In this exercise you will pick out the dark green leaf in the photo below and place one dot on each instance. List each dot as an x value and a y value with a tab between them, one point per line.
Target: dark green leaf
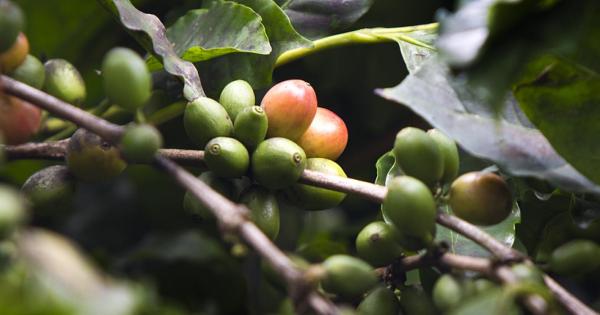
491	41
318	18
517	148
562	101
223	27
150	33
256	69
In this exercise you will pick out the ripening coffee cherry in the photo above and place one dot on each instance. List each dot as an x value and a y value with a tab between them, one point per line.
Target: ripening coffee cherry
30	72
250	126
92	159
277	163
326	137
447	292
127	80
226	157
377	244
140	143
418	155
410	206
12	22
449	153
205	119
264	210
236	96
19	120
221	185
64	81
379	301
347	277
576	257
12	210
480	198
15	55
291	106
316	198
50	190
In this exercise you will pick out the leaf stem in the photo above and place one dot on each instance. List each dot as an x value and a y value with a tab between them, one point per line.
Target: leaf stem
362	36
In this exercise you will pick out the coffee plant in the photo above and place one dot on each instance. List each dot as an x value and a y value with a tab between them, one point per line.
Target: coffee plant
209	157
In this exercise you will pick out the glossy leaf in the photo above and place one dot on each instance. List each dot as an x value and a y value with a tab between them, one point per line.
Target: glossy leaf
222	28
509	142
316	18
149	31
256	69
562	101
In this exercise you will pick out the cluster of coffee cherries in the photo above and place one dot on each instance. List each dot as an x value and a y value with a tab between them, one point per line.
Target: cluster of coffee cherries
429	164
267	147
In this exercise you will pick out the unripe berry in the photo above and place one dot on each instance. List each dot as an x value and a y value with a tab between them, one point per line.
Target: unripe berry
418	155
64	81
236	96
140	143
480	198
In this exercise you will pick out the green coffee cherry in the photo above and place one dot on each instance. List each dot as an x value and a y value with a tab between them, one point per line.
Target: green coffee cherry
222	186
449	153
250	126
205	119
236	96
63	81
50	190
140	143
316	198
347	276
379	301
127	80
447	293
226	157
576	257
30	72
414	300
410	206
264	210
91	158
12	210
12	22
419	155
527	273
278	162
480	198
377	244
